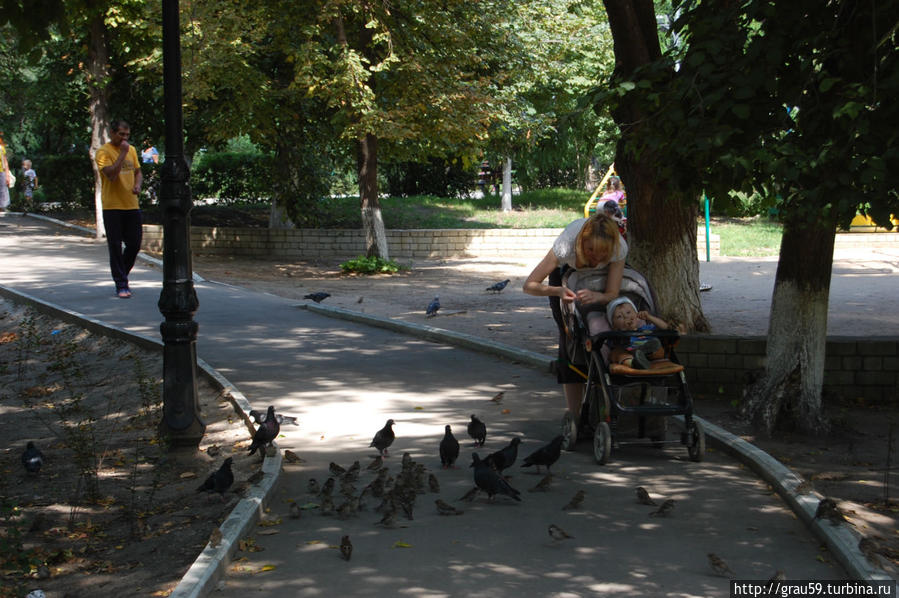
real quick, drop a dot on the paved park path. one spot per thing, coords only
(344, 380)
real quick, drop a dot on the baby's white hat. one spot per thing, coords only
(613, 305)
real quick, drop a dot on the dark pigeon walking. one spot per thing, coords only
(491, 482)
(33, 458)
(266, 432)
(433, 306)
(477, 430)
(545, 455)
(317, 297)
(449, 449)
(505, 457)
(219, 480)
(384, 438)
(497, 287)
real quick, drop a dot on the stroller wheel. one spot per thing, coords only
(569, 431)
(695, 441)
(602, 443)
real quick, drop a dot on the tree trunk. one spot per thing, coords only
(372, 223)
(661, 223)
(98, 78)
(278, 216)
(507, 184)
(791, 385)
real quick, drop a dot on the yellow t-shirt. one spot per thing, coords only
(117, 194)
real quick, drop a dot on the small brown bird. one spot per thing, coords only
(375, 463)
(575, 501)
(359, 300)
(335, 469)
(312, 486)
(498, 397)
(346, 548)
(444, 508)
(643, 497)
(718, 564)
(557, 533)
(664, 510)
(433, 484)
(294, 510)
(544, 484)
(803, 487)
(352, 474)
(291, 457)
(327, 487)
(828, 508)
(215, 538)
(326, 506)
(348, 508)
(469, 496)
(389, 518)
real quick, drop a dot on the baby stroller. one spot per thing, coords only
(616, 393)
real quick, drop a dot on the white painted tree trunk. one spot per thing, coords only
(375, 233)
(278, 217)
(507, 184)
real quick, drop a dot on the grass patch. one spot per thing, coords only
(747, 237)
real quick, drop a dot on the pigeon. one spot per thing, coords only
(219, 480)
(346, 548)
(433, 484)
(557, 533)
(376, 463)
(497, 287)
(433, 306)
(498, 397)
(449, 449)
(664, 510)
(259, 418)
(318, 297)
(477, 430)
(544, 484)
(643, 497)
(384, 438)
(505, 457)
(545, 455)
(32, 458)
(720, 567)
(575, 501)
(828, 508)
(294, 510)
(444, 508)
(266, 432)
(491, 482)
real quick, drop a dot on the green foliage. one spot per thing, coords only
(748, 237)
(232, 177)
(370, 265)
(67, 179)
(440, 177)
(13, 555)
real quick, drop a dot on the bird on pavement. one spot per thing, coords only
(576, 500)
(546, 455)
(346, 548)
(327, 487)
(375, 464)
(497, 287)
(720, 567)
(318, 297)
(266, 432)
(384, 438)
(449, 449)
(491, 482)
(312, 486)
(433, 306)
(498, 397)
(544, 484)
(294, 510)
(259, 418)
(643, 497)
(444, 508)
(505, 457)
(469, 496)
(32, 458)
(664, 509)
(433, 484)
(219, 480)
(557, 533)
(335, 469)
(828, 509)
(477, 430)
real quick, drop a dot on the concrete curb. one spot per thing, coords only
(840, 539)
(209, 566)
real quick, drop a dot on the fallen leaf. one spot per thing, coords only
(399, 544)
(187, 475)
(267, 568)
(269, 532)
(313, 541)
(270, 522)
(506, 411)
(418, 408)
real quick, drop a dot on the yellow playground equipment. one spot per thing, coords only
(590, 206)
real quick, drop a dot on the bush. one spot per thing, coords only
(67, 179)
(370, 265)
(438, 177)
(232, 176)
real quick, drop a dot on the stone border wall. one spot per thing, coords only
(311, 244)
(855, 367)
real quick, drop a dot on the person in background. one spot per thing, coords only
(29, 183)
(5, 180)
(149, 155)
(120, 180)
(613, 190)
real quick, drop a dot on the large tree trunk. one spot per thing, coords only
(372, 223)
(790, 388)
(661, 223)
(98, 78)
(507, 184)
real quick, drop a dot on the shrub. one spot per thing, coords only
(438, 177)
(232, 176)
(371, 265)
(67, 178)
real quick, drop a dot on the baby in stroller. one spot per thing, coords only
(637, 350)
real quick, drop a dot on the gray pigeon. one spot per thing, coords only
(477, 430)
(546, 455)
(33, 458)
(219, 480)
(491, 482)
(266, 432)
(449, 449)
(433, 306)
(497, 287)
(317, 297)
(384, 438)
(259, 418)
(505, 457)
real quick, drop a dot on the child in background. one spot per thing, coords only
(637, 350)
(29, 183)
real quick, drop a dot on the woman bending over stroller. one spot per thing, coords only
(586, 243)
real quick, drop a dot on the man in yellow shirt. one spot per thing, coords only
(120, 179)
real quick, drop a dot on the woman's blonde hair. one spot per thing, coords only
(601, 232)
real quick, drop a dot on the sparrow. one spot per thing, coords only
(335, 469)
(664, 510)
(291, 457)
(719, 565)
(294, 510)
(544, 484)
(346, 548)
(327, 506)
(498, 397)
(328, 487)
(389, 518)
(575, 501)
(312, 486)
(433, 484)
(375, 463)
(215, 538)
(469, 496)
(444, 508)
(557, 533)
(643, 497)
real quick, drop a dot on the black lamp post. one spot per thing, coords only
(181, 423)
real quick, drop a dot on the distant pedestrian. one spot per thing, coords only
(120, 179)
(29, 183)
(149, 155)
(6, 179)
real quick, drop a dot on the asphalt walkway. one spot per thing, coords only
(344, 379)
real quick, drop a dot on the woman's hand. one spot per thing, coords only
(566, 294)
